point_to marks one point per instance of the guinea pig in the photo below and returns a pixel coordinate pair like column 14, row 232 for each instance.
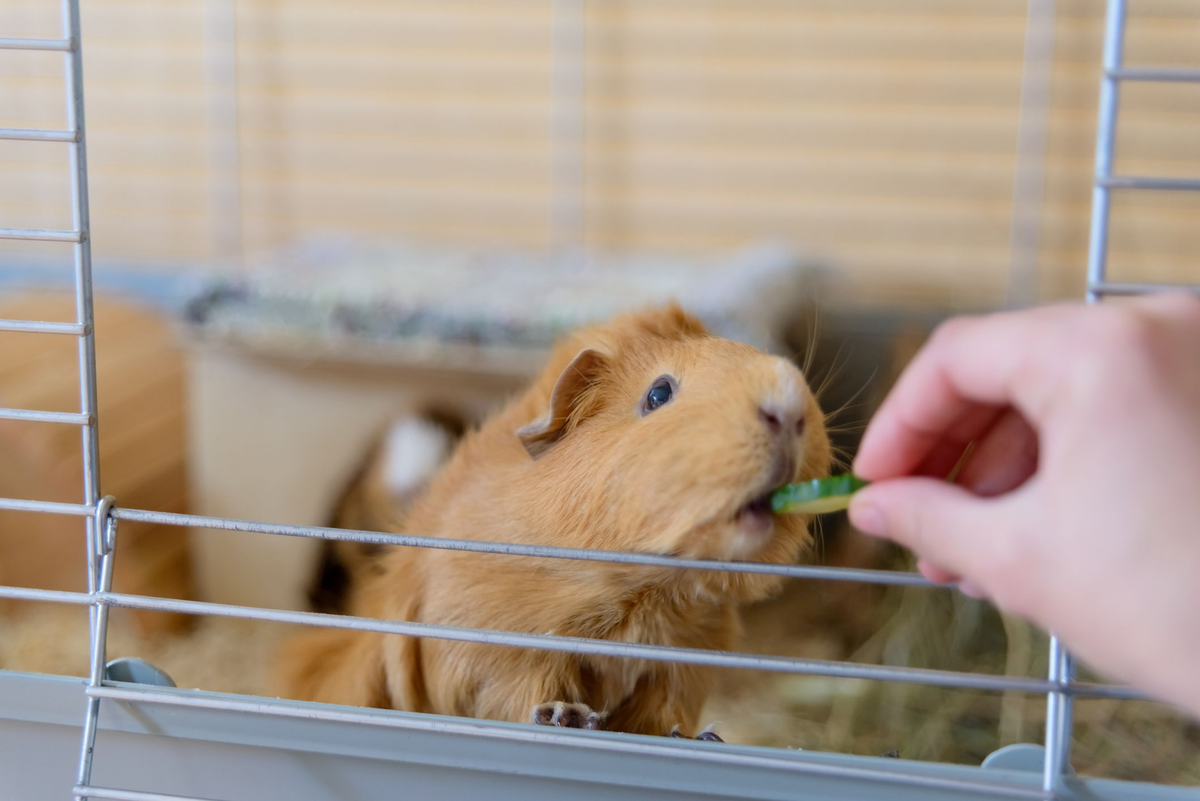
column 377, row 498
column 645, row 434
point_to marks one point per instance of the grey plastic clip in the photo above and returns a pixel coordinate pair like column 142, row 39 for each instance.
column 137, row 671
column 1020, row 756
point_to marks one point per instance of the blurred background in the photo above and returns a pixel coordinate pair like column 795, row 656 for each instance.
column 313, row 219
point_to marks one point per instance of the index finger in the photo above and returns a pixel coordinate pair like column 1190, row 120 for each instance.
column 970, row 366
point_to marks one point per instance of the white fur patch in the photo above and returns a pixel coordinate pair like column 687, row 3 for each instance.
column 413, row 451
column 788, row 393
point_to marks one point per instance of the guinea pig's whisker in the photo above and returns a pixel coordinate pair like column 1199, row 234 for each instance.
column 810, row 352
column 846, row 407
column 831, row 375
column 851, row 401
column 845, row 428
column 818, row 537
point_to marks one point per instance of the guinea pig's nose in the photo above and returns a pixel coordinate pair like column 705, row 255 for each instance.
column 780, row 421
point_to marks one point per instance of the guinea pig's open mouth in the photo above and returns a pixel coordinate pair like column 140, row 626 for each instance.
column 756, row 515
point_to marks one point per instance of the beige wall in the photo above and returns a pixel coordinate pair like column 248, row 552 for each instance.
column 878, row 133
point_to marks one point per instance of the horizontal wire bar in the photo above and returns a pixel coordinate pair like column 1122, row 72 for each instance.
column 47, row 596
column 1110, row 288
column 595, row 647
column 34, row 135
column 531, row 734
column 1156, row 75
column 513, row 549
column 89, row 791
column 34, row 327
column 1137, row 182
column 36, row 416
column 35, row 44
column 50, row 507
column 41, row 234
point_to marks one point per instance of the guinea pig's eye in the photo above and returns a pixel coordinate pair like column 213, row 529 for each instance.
column 659, row 394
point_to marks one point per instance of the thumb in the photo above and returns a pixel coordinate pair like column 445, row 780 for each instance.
column 943, row 523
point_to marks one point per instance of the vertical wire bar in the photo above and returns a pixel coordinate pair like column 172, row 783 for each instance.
column 86, row 358
column 567, row 111
column 1106, row 130
column 107, row 544
column 84, row 314
column 1059, row 719
column 83, row 254
column 1060, row 706
column 1025, row 230
column 86, row 355
column 73, row 60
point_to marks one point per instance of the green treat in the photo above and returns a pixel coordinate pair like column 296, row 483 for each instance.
column 817, row 497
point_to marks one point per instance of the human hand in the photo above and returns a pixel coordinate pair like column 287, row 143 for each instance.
column 1079, row 505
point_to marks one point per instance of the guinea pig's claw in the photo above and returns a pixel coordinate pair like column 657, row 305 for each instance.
column 567, row 716
column 708, row 734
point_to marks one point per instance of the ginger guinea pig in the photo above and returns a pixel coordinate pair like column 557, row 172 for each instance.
column 645, row 434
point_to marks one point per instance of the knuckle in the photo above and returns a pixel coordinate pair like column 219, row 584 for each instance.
column 1182, row 304
column 1128, row 333
column 1190, row 302
column 1113, row 348
column 1186, row 307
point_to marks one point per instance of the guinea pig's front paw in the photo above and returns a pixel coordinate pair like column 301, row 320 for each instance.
column 567, row 716
column 707, row 734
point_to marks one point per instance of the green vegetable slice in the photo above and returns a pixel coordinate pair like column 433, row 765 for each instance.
column 817, row 497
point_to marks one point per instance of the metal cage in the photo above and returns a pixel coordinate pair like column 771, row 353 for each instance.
column 452, row 757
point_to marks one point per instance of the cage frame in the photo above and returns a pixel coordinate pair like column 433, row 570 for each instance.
column 102, row 515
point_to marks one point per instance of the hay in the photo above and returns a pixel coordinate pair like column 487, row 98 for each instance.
column 919, row 627
column 218, row 654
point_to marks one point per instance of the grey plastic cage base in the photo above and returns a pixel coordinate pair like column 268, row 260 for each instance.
column 247, row 756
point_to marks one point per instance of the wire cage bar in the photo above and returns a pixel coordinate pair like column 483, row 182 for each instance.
column 99, row 560
column 1158, row 184
column 34, row 135
column 43, row 235
column 1059, row 705
column 102, row 516
column 61, row 45
column 1105, row 180
column 591, row 647
column 129, row 795
column 48, row 507
column 1154, row 75
column 515, row 549
column 37, row 416
column 1115, row 289
column 35, row 327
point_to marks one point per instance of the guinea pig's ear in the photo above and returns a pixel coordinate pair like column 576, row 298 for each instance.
column 570, row 395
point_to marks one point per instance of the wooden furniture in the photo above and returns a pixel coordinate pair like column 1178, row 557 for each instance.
column 142, row 417
column 276, row 433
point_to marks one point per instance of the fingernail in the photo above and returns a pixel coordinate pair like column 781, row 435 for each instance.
column 867, row 519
